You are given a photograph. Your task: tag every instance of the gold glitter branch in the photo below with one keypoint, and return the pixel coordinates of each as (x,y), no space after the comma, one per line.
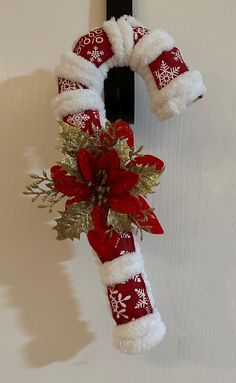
(43,188)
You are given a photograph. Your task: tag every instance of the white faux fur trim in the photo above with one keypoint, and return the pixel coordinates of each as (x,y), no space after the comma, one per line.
(74,101)
(139,335)
(175,97)
(114,35)
(148,78)
(132,21)
(128,39)
(77,69)
(165,103)
(121,269)
(149,48)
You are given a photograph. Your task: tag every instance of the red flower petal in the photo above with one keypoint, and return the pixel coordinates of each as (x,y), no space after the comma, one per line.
(124,203)
(83,195)
(56,169)
(123,130)
(151,223)
(99,217)
(57,172)
(121,181)
(119,129)
(86,163)
(149,160)
(99,244)
(108,160)
(66,184)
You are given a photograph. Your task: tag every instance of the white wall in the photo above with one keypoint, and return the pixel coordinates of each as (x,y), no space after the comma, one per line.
(54,326)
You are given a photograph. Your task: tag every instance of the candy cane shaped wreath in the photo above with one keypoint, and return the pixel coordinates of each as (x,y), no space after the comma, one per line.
(104,179)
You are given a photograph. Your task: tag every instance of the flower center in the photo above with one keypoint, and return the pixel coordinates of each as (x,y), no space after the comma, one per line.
(100,188)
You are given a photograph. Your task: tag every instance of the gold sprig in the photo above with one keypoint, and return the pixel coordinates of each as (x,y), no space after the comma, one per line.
(76,219)
(43,189)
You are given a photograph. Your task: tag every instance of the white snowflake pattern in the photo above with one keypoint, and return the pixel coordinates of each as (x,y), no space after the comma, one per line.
(123,252)
(143,301)
(66,84)
(96,115)
(139,32)
(177,56)
(122,235)
(137,278)
(118,303)
(76,119)
(125,235)
(95,54)
(166,74)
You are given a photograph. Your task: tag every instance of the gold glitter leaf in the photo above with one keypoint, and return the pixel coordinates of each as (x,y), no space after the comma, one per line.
(69,164)
(123,151)
(76,219)
(119,221)
(72,139)
(148,179)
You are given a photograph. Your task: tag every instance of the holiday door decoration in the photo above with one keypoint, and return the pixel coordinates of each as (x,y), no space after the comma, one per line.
(103,178)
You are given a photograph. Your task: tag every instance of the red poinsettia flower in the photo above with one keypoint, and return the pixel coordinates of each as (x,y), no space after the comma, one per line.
(114,179)
(104,182)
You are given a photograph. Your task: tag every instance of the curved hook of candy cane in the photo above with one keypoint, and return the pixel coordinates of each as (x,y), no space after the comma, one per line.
(171,86)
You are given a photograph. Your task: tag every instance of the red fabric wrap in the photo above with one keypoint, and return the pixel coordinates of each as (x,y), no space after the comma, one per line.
(85,119)
(109,248)
(167,66)
(129,300)
(94,47)
(64,84)
(139,32)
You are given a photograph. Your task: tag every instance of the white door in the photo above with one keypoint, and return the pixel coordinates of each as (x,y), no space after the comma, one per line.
(54,322)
